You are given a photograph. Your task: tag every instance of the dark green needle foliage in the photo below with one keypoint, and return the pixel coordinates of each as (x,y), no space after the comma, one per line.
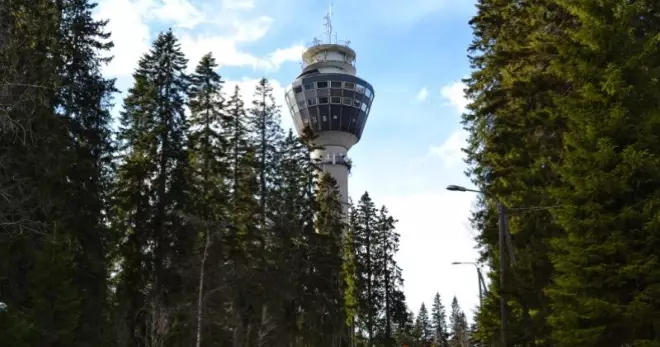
(198,221)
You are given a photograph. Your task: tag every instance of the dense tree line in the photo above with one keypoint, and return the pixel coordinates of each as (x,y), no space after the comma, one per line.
(436,328)
(198,222)
(563,125)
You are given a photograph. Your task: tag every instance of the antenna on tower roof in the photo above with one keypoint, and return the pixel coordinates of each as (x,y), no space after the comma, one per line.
(328,24)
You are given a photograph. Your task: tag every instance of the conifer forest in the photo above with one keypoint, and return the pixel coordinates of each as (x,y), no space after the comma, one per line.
(191,220)
(194,219)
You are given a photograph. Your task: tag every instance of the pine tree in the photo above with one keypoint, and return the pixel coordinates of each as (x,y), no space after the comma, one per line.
(439,322)
(423,327)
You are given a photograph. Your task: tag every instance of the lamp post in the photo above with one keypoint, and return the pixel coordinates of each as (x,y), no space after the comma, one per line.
(503,236)
(482,285)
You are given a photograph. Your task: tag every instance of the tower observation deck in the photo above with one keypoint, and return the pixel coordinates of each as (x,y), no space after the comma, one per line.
(330,100)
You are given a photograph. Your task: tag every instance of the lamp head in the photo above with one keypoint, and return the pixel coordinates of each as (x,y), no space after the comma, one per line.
(456,188)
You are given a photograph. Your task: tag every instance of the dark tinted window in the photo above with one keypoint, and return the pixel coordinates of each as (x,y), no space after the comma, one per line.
(297,89)
(322,84)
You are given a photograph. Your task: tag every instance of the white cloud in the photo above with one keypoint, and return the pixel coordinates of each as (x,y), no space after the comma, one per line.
(129,25)
(251,30)
(454,94)
(227,53)
(130,33)
(435,232)
(181,12)
(247,87)
(238,4)
(423,94)
(450,151)
(282,55)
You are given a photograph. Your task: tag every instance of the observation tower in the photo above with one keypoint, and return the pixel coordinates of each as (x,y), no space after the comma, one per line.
(333,102)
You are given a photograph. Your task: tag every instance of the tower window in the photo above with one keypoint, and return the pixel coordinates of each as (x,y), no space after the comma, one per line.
(336,100)
(323,100)
(349,85)
(367,92)
(309,86)
(359,89)
(363,107)
(322,84)
(311,101)
(356,103)
(347,101)
(297,89)
(335,84)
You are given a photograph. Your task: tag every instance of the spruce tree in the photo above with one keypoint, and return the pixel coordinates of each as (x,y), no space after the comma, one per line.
(460,334)
(423,327)
(606,281)
(207,148)
(152,190)
(366,241)
(393,307)
(264,125)
(514,144)
(84,103)
(54,288)
(439,322)
(323,307)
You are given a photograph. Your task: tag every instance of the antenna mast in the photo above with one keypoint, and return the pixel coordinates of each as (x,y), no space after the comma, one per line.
(328,24)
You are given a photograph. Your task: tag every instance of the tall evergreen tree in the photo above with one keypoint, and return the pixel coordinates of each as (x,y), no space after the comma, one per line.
(84,103)
(515,141)
(423,327)
(460,331)
(439,322)
(264,124)
(391,281)
(366,241)
(208,188)
(152,189)
(606,284)
(323,306)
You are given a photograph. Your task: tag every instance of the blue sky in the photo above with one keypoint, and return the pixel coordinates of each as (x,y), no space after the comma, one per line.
(414,54)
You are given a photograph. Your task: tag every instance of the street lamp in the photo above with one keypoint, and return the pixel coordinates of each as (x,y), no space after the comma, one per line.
(503,236)
(482,285)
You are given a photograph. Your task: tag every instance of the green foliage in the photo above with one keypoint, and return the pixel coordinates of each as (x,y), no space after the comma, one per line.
(565,115)
(203,226)
(439,322)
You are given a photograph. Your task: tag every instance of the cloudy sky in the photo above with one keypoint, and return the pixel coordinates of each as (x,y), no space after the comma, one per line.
(414,54)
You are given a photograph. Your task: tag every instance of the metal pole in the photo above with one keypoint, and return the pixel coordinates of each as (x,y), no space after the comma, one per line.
(481,294)
(480,281)
(503,309)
